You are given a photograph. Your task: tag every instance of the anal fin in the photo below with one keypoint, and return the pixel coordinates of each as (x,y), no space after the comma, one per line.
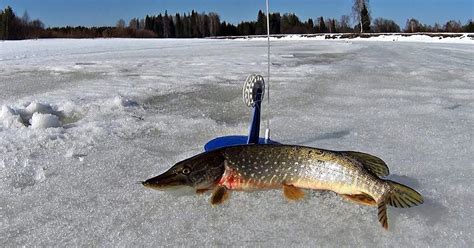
(362,199)
(220,195)
(382,214)
(293,193)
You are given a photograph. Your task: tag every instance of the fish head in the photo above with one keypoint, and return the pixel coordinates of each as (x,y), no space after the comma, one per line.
(202,171)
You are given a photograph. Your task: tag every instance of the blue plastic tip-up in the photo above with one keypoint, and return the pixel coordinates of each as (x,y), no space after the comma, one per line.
(254,129)
(252,138)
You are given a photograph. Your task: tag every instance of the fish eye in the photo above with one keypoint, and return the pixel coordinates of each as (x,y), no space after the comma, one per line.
(186,170)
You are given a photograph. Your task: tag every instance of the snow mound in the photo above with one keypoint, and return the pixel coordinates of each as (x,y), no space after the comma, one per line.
(38,115)
(10,118)
(42,108)
(39,120)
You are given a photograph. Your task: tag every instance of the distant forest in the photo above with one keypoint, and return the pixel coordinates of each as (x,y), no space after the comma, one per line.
(199,25)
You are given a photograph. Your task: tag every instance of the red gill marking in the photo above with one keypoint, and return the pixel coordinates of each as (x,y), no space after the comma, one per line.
(231,179)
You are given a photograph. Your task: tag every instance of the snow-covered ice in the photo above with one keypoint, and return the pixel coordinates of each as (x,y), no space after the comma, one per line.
(114,112)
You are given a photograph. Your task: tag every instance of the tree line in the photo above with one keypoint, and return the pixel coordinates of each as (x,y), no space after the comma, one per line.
(199,25)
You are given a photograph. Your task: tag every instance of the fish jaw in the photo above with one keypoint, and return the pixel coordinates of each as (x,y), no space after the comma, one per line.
(199,172)
(166,181)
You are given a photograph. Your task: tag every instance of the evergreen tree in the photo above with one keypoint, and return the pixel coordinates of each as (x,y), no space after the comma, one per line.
(469,27)
(309,26)
(275,23)
(178,24)
(291,24)
(322,25)
(365,19)
(261,26)
(2,26)
(148,23)
(334,26)
(246,28)
(205,25)
(166,25)
(195,25)
(172,27)
(187,29)
(8,19)
(158,26)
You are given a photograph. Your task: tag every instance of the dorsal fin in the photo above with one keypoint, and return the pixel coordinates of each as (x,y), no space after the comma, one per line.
(371,163)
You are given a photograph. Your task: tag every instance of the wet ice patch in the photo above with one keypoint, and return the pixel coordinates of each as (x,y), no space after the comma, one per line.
(120,102)
(27,175)
(72,153)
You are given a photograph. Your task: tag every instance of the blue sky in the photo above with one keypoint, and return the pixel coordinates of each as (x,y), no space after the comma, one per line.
(107,12)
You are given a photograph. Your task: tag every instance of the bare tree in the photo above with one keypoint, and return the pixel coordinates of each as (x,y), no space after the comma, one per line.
(357,9)
(437,27)
(134,24)
(121,24)
(214,24)
(382,25)
(25,18)
(453,26)
(344,24)
(413,26)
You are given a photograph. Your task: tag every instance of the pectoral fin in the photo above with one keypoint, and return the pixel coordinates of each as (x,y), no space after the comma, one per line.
(201,191)
(292,193)
(220,195)
(363,199)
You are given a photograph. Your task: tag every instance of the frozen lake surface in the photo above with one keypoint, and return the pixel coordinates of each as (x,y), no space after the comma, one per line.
(104,114)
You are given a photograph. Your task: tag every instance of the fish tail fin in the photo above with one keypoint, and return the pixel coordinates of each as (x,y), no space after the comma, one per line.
(402,196)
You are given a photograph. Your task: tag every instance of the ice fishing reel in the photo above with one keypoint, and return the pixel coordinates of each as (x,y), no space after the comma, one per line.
(253,90)
(252,95)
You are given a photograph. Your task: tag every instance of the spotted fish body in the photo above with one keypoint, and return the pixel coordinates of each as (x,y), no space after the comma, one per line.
(269,166)
(354,175)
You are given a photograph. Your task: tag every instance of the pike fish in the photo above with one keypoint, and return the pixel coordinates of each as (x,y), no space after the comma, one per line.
(356,176)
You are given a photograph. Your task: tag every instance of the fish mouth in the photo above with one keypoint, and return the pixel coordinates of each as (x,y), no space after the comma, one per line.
(166,181)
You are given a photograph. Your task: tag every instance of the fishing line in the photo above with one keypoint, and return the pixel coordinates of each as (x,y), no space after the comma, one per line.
(267,131)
